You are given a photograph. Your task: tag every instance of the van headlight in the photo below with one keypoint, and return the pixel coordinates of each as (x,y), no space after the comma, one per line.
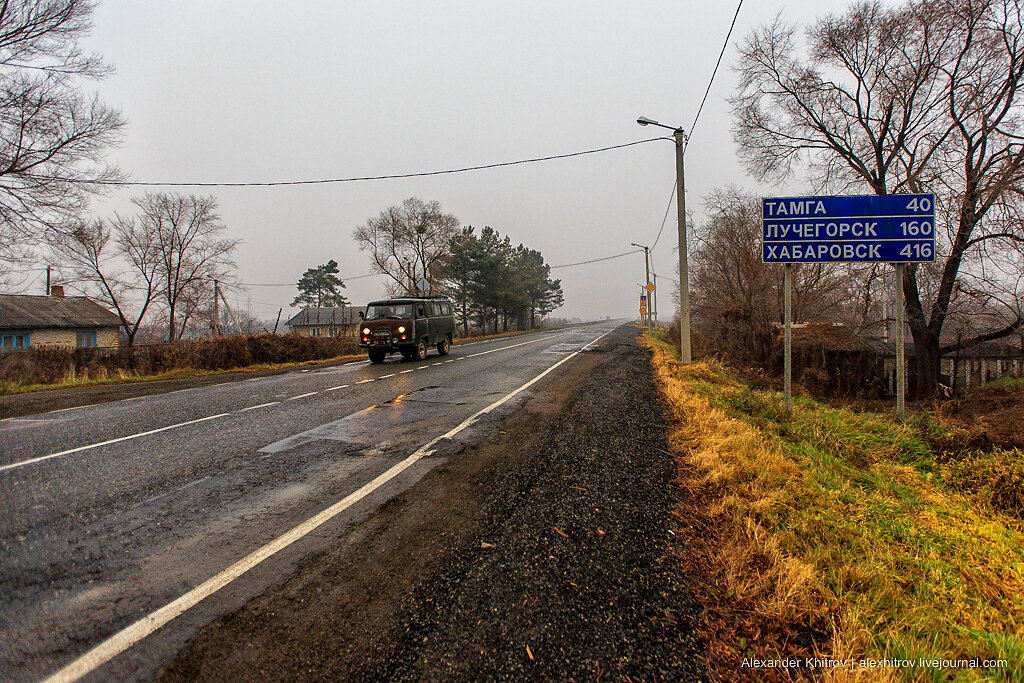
(366,330)
(401,328)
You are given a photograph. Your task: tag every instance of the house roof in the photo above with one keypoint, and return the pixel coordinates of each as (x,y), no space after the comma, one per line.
(26,311)
(340,315)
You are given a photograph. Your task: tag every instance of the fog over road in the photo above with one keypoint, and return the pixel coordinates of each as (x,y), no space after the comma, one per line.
(114,511)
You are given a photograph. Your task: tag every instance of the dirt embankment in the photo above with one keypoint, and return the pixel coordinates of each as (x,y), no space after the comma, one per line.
(997,412)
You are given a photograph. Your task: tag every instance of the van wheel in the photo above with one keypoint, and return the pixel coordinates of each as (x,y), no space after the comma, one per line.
(421,350)
(444,346)
(377,356)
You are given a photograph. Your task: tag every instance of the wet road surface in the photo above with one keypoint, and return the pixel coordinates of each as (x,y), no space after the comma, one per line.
(115,511)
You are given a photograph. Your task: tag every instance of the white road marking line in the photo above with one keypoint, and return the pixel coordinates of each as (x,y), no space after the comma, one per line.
(262,405)
(386,376)
(451,360)
(122,640)
(312,393)
(403,372)
(87,405)
(108,442)
(212,417)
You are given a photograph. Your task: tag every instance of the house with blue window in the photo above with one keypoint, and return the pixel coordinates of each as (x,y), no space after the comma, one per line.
(28,320)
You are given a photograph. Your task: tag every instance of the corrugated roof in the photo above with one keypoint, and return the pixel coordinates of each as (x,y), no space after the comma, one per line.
(340,315)
(26,311)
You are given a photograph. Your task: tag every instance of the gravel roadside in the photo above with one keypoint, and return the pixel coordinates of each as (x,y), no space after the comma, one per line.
(564,570)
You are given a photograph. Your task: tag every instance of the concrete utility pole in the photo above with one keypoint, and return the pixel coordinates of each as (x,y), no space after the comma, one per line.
(216,309)
(647,279)
(684,269)
(654,299)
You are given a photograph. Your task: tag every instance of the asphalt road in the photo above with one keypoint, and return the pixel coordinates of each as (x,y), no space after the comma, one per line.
(130,525)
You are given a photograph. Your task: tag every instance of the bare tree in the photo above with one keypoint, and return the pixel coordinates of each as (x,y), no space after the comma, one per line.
(407,241)
(52,135)
(916,98)
(737,298)
(118,262)
(191,252)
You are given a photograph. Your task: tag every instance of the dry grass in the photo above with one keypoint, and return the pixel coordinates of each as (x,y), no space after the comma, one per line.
(843,525)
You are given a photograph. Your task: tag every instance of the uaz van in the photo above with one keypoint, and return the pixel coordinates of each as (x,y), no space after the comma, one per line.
(407,325)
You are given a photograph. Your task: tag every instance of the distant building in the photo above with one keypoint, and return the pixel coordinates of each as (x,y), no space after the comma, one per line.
(29,320)
(326,322)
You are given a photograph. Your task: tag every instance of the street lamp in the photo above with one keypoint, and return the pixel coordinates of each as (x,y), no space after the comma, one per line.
(684,270)
(647,279)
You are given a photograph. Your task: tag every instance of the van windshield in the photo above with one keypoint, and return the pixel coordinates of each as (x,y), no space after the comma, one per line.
(376,311)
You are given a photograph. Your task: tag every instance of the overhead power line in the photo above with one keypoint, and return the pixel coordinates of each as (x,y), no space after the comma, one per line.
(713,73)
(564,265)
(606,258)
(292,284)
(665,217)
(324,181)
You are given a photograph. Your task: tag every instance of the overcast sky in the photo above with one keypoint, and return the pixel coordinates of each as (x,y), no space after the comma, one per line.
(226,90)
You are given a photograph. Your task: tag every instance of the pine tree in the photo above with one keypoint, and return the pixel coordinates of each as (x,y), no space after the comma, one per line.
(320,287)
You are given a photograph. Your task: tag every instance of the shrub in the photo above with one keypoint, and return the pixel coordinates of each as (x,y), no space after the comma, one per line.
(51,365)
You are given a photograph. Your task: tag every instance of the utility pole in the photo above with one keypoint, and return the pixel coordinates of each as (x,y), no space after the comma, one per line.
(647,280)
(654,298)
(216,309)
(47,280)
(232,314)
(684,268)
(684,271)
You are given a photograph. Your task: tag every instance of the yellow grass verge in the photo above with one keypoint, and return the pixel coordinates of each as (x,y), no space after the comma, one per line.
(839,531)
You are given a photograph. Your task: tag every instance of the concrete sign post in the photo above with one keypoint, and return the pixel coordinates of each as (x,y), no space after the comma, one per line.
(897,229)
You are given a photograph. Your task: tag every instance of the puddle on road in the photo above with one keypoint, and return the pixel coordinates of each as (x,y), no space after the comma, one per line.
(574,343)
(412,418)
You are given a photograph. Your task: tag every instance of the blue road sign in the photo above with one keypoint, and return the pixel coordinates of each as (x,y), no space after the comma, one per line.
(872,228)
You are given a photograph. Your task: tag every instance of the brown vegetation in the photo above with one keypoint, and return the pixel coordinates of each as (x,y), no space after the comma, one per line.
(49,365)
